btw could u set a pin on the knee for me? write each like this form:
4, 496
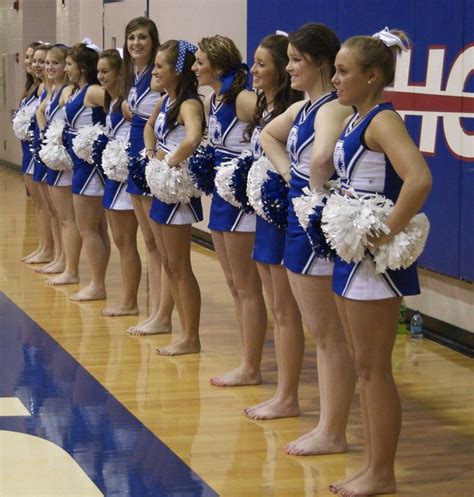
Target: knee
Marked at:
150, 243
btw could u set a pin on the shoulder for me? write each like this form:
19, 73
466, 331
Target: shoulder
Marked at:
191, 105
333, 111
246, 97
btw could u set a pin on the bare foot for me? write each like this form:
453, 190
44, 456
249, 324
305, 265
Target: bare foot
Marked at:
30, 255
273, 409
316, 442
335, 487
236, 378
369, 484
180, 346
150, 327
53, 267
120, 310
62, 279
90, 292
40, 258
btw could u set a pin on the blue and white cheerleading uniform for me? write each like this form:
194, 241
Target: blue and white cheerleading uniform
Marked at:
40, 169
368, 172
269, 243
53, 113
299, 255
27, 162
168, 140
141, 101
226, 136
87, 179
116, 197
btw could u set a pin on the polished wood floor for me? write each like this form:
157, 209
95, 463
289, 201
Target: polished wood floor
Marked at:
204, 425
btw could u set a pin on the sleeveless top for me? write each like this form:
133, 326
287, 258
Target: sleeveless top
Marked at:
27, 157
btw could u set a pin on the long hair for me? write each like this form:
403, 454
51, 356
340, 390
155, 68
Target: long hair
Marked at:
60, 51
187, 85
277, 46
86, 60
30, 82
127, 65
224, 56
320, 43
115, 61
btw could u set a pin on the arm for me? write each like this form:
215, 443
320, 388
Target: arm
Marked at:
95, 96
273, 139
40, 112
65, 94
327, 127
126, 111
387, 133
245, 104
149, 130
191, 115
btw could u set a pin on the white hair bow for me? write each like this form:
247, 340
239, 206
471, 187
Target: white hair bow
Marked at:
88, 43
389, 39
283, 33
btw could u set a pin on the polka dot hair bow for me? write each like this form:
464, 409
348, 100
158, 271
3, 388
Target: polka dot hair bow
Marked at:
183, 48
389, 39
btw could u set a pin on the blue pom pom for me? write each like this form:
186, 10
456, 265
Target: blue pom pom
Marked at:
98, 148
136, 168
238, 182
201, 168
274, 194
316, 236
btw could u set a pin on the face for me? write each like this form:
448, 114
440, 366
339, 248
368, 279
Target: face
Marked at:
205, 73
54, 67
139, 45
72, 70
29, 59
165, 75
108, 77
350, 81
37, 65
264, 71
304, 74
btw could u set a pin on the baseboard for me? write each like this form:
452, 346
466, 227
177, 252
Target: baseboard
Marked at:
10, 165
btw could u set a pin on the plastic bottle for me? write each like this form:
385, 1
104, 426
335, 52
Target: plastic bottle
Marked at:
416, 326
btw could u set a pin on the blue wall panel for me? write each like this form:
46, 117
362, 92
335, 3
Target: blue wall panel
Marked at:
442, 26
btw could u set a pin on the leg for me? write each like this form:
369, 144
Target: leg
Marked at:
289, 346
44, 252
161, 308
373, 328
72, 241
336, 374
58, 263
234, 252
90, 219
124, 227
175, 245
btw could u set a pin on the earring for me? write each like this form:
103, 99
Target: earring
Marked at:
369, 82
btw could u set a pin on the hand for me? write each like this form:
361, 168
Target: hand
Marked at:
375, 241
150, 153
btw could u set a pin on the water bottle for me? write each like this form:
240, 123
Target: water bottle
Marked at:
416, 326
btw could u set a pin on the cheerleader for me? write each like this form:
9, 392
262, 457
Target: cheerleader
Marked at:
375, 154
313, 122
29, 100
141, 44
85, 108
230, 108
175, 130
272, 82
117, 203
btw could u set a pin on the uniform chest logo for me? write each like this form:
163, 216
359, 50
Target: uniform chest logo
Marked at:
255, 143
339, 162
132, 99
215, 130
291, 144
160, 125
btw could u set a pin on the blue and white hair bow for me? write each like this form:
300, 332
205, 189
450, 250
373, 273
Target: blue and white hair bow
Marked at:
88, 43
389, 39
183, 48
228, 78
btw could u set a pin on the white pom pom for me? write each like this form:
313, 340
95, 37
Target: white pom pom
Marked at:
223, 181
115, 160
22, 120
405, 247
170, 184
305, 204
348, 222
53, 153
256, 178
84, 140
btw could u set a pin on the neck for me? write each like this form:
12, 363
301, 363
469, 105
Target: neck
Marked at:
369, 103
171, 94
318, 90
114, 93
216, 86
270, 98
58, 81
140, 65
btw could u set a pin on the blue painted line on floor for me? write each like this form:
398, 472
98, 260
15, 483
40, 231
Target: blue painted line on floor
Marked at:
73, 410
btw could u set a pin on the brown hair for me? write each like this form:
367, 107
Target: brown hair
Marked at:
30, 82
127, 65
86, 60
373, 53
224, 56
115, 61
